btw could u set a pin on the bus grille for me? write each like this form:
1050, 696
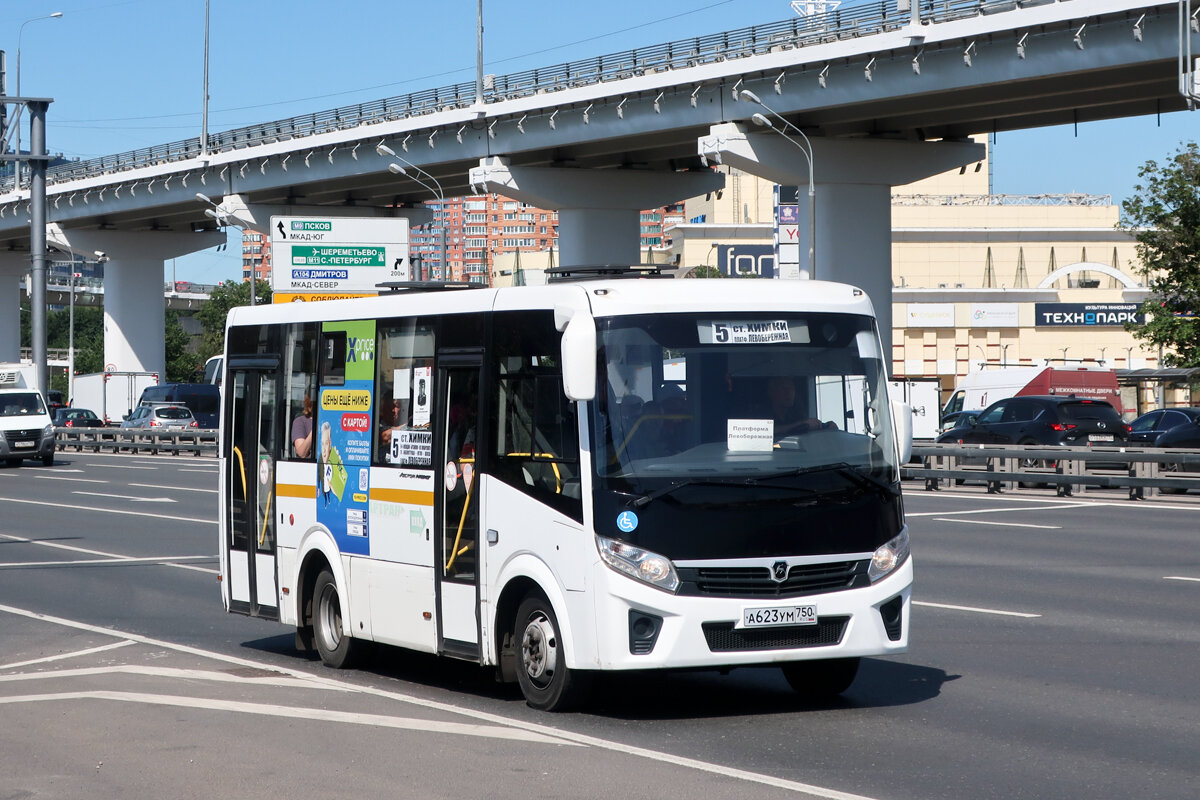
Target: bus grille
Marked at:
752, 582
723, 637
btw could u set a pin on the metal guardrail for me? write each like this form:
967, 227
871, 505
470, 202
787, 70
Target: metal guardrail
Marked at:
852, 22
1144, 471
116, 440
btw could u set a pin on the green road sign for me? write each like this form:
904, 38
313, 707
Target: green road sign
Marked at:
338, 256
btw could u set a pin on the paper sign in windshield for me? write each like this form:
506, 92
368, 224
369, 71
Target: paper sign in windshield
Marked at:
750, 435
744, 332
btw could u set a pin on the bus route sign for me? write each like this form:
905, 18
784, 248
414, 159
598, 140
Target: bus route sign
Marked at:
337, 255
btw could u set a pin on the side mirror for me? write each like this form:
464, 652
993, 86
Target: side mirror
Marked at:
902, 419
579, 357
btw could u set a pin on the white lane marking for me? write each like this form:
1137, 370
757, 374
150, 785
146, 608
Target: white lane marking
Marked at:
109, 510
172, 488
127, 466
130, 498
1097, 502
61, 656
77, 480
1004, 524
1180, 578
977, 610
204, 471
166, 562
546, 730
265, 677
325, 715
998, 510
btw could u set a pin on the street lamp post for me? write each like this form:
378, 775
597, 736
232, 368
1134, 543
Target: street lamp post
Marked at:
20, 32
383, 150
807, 149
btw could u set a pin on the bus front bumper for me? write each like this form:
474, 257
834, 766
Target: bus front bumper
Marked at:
640, 627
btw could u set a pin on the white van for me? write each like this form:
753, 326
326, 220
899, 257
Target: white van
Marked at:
25, 427
977, 390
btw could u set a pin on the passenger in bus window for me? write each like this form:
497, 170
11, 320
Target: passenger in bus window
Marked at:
302, 430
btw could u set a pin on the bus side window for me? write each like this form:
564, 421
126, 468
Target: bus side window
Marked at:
536, 432
300, 371
404, 392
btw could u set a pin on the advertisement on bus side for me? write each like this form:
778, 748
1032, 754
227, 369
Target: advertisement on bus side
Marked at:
344, 431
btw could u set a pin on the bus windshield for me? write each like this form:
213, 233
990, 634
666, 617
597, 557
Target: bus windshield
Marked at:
740, 410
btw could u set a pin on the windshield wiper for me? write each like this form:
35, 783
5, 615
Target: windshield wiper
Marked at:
646, 499
851, 473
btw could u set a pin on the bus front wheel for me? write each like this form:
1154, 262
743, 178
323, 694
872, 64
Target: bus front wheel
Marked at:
821, 679
335, 648
546, 681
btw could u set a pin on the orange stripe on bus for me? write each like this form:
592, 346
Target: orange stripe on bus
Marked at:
408, 496
306, 491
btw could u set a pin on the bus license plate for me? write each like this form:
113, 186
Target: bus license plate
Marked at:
1100, 437
784, 615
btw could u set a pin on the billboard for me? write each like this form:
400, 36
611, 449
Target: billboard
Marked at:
930, 315
1086, 315
746, 260
994, 315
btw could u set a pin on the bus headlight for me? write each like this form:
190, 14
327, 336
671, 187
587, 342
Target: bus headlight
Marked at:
48, 432
656, 570
889, 556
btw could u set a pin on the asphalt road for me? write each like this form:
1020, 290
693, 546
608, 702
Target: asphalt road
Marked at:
1054, 648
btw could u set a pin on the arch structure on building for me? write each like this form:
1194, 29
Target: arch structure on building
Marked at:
1089, 266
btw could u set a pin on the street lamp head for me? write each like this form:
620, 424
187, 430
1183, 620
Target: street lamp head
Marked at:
746, 94
56, 14
761, 119
203, 198
383, 150
396, 169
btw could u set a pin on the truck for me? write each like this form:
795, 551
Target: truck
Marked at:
112, 395
979, 389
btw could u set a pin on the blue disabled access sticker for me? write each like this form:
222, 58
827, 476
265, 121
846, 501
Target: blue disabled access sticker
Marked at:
627, 521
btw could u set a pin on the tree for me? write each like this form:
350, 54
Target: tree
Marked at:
181, 365
1164, 216
225, 296
704, 271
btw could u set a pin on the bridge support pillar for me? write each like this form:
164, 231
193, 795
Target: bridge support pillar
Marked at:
133, 288
853, 184
598, 210
13, 267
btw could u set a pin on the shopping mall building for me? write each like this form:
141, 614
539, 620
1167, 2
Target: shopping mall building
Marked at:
978, 279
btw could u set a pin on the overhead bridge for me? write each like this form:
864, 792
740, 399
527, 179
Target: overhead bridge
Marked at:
887, 92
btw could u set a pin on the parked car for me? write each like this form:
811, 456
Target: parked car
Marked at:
1046, 420
202, 399
956, 418
1146, 429
160, 418
76, 418
1185, 436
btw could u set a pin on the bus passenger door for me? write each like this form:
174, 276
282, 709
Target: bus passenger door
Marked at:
458, 516
251, 444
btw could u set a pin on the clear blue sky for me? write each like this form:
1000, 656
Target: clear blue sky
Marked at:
126, 74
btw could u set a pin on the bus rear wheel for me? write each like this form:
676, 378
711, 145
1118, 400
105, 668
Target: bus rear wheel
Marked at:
336, 649
546, 681
823, 679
